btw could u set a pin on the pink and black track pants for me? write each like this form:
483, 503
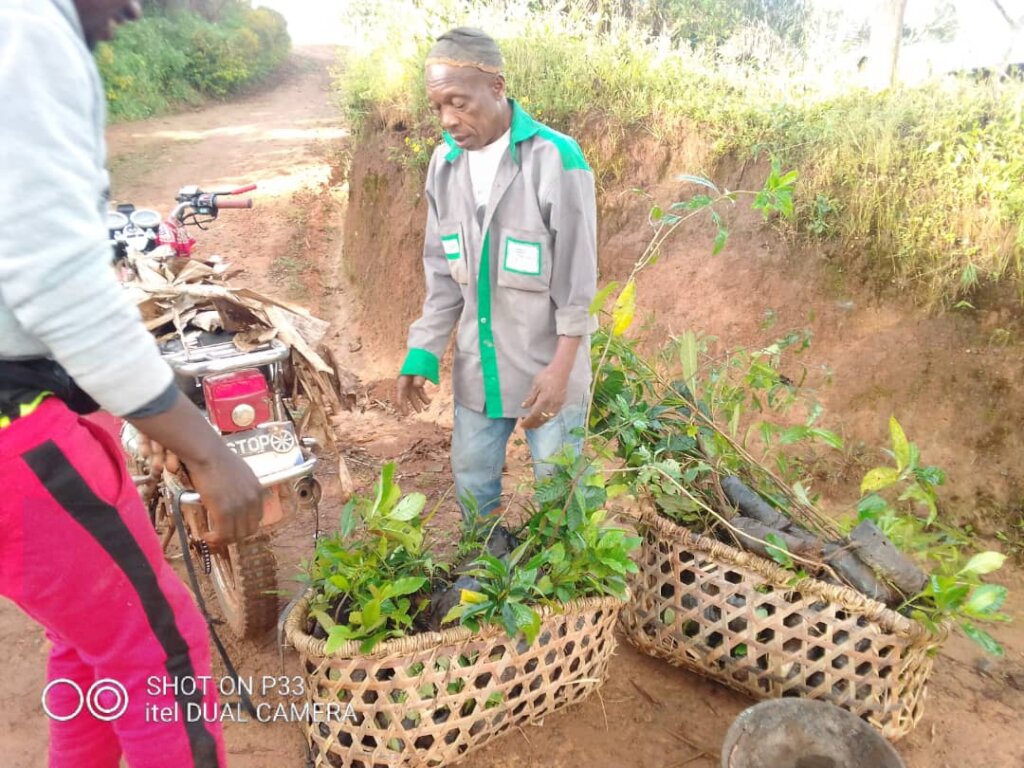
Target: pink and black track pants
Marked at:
78, 554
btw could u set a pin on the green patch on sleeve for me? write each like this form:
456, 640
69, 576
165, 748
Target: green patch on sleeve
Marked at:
420, 362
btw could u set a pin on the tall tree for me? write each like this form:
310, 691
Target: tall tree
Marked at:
884, 48
1002, 12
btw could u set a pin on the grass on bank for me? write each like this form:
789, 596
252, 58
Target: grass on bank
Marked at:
923, 186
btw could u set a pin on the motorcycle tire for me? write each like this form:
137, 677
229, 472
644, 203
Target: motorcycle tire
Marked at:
244, 580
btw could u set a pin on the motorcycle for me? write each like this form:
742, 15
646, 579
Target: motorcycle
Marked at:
245, 395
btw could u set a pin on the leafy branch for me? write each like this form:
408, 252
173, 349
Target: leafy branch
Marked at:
367, 587
902, 501
775, 197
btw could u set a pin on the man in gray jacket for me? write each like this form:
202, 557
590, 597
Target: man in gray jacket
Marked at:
77, 551
511, 258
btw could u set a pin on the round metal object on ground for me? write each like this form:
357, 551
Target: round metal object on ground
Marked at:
802, 733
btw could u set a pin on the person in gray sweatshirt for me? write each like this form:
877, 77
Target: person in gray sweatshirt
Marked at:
77, 551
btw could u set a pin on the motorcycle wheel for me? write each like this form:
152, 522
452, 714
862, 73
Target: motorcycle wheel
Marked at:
245, 581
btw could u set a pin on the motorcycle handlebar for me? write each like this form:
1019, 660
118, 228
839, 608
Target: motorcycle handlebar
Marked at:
243, 203
208, 203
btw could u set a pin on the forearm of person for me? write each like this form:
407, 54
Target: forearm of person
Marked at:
230, 490
442, 306
429, 335
183, 430
574, 270
565, 354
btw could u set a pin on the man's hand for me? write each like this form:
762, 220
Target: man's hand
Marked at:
232, 496
411, 394
547, 395
230, 491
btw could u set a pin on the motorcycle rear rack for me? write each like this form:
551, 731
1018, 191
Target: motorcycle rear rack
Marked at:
224, 358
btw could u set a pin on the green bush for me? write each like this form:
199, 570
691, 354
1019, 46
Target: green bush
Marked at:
181, 57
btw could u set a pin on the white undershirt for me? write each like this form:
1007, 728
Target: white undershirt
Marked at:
483, 167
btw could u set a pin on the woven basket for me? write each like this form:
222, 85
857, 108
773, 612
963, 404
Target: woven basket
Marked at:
430, 699
736, 617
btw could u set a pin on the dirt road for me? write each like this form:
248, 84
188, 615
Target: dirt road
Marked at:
289, 139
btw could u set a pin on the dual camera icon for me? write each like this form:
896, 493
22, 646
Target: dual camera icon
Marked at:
105, 700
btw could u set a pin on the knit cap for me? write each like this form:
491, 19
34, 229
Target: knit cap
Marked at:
467, 47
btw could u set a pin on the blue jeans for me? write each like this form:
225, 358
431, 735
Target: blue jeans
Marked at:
478, 450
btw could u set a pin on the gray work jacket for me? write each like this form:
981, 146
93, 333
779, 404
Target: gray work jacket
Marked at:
517, 282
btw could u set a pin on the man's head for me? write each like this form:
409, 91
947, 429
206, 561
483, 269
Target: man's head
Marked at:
466, 87
101, 17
